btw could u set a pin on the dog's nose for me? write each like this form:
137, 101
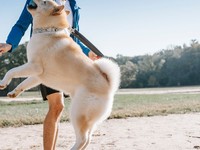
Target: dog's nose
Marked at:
32, 5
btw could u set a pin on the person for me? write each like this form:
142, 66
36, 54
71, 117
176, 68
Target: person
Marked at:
55, 98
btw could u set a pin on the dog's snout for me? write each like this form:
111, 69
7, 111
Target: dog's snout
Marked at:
32, 5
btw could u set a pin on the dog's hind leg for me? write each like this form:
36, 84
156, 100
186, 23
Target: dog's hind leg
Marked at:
25, 85
86, 111
82, 130
89, 138
25, 70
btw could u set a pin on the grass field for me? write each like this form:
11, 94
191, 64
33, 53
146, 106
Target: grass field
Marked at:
125, 105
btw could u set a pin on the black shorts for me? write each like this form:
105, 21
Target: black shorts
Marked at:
45, 91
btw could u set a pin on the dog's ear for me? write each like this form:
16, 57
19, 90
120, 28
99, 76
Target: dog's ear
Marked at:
67, 12
57, 10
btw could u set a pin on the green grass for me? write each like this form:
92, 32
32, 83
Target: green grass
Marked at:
33, 112
154, 104
25, 113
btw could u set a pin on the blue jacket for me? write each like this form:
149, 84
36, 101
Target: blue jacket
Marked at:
25, 20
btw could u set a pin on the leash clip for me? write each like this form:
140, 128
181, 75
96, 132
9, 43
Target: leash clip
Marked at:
71, 30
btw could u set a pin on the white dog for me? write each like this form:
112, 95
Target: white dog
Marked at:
55, 60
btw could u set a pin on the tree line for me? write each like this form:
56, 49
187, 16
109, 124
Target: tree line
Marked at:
177, 66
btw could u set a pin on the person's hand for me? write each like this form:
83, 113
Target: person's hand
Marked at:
4, 47
93, 56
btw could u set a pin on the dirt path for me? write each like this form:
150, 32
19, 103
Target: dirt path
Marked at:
172, 132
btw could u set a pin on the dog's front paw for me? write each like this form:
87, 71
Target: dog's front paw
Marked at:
14, 93
2, 86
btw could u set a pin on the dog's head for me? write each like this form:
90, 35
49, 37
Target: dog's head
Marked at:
47, 13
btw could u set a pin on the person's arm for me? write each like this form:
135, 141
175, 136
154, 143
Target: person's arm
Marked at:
18, 30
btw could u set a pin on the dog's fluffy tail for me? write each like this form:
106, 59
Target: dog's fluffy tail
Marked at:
112, 70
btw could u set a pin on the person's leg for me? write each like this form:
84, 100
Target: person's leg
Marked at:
50, 131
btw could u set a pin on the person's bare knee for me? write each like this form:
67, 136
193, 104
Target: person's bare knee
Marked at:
56, 104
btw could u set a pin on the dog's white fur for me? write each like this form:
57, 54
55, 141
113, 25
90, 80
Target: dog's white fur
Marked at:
55, 60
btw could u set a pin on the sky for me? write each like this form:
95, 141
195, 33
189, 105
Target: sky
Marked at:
126, 27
